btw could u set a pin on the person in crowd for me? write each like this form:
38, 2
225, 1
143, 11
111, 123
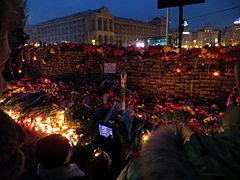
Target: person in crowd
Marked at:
237, 74
53, 153
12, 20
12, 158
12, 135
233, 98
107, 165
171, 154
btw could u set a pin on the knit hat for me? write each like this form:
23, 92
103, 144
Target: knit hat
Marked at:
232, 116
52, 151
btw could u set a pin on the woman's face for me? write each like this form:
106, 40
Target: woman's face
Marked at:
5, 52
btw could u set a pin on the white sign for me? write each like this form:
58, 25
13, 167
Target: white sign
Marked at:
110, 68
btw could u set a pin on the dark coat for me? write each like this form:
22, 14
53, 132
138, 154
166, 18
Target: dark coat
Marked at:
215, 157
12, 158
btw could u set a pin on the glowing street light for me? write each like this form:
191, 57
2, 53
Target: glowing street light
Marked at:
93, 42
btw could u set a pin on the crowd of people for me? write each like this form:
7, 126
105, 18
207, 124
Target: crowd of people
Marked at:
172, 152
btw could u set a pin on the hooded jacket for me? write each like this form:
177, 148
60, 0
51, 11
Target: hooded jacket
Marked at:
162, 157
166, 156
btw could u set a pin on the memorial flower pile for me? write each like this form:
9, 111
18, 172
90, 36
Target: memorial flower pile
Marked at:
49, 107
225, 53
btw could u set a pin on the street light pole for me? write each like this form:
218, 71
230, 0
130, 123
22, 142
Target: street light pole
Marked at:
180, 26
167, 25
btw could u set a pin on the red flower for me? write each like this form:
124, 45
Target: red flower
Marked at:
118, 52
215, 124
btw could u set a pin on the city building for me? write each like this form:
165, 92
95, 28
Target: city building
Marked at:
231, 35
129, 31
205, 36
96, 27
186, 38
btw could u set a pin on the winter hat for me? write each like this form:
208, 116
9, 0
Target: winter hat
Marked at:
52, 150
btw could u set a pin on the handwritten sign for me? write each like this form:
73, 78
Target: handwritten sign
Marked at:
110, 68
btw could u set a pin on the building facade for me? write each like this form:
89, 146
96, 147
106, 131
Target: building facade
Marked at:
206, 36
128, 31
231, 35
97, 27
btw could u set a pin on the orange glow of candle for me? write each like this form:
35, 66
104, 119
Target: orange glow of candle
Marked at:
178, 70
216, 73
48, 125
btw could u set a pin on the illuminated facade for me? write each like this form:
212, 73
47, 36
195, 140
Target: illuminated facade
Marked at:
231, 35
205, 36
95, 26
128, 30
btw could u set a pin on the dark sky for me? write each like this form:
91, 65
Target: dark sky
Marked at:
144, 10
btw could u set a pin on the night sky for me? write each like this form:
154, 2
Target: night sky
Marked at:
144, 10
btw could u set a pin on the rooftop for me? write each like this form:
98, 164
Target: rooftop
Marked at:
129, 19
73, 15
100, 10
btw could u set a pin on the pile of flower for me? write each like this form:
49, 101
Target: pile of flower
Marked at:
56, 107
225, 53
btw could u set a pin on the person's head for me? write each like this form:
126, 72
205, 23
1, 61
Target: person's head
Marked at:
53, 151
11, 18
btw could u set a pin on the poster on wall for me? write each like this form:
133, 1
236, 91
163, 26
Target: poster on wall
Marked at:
110, 68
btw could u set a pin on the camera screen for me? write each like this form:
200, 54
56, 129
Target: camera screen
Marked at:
105, 131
